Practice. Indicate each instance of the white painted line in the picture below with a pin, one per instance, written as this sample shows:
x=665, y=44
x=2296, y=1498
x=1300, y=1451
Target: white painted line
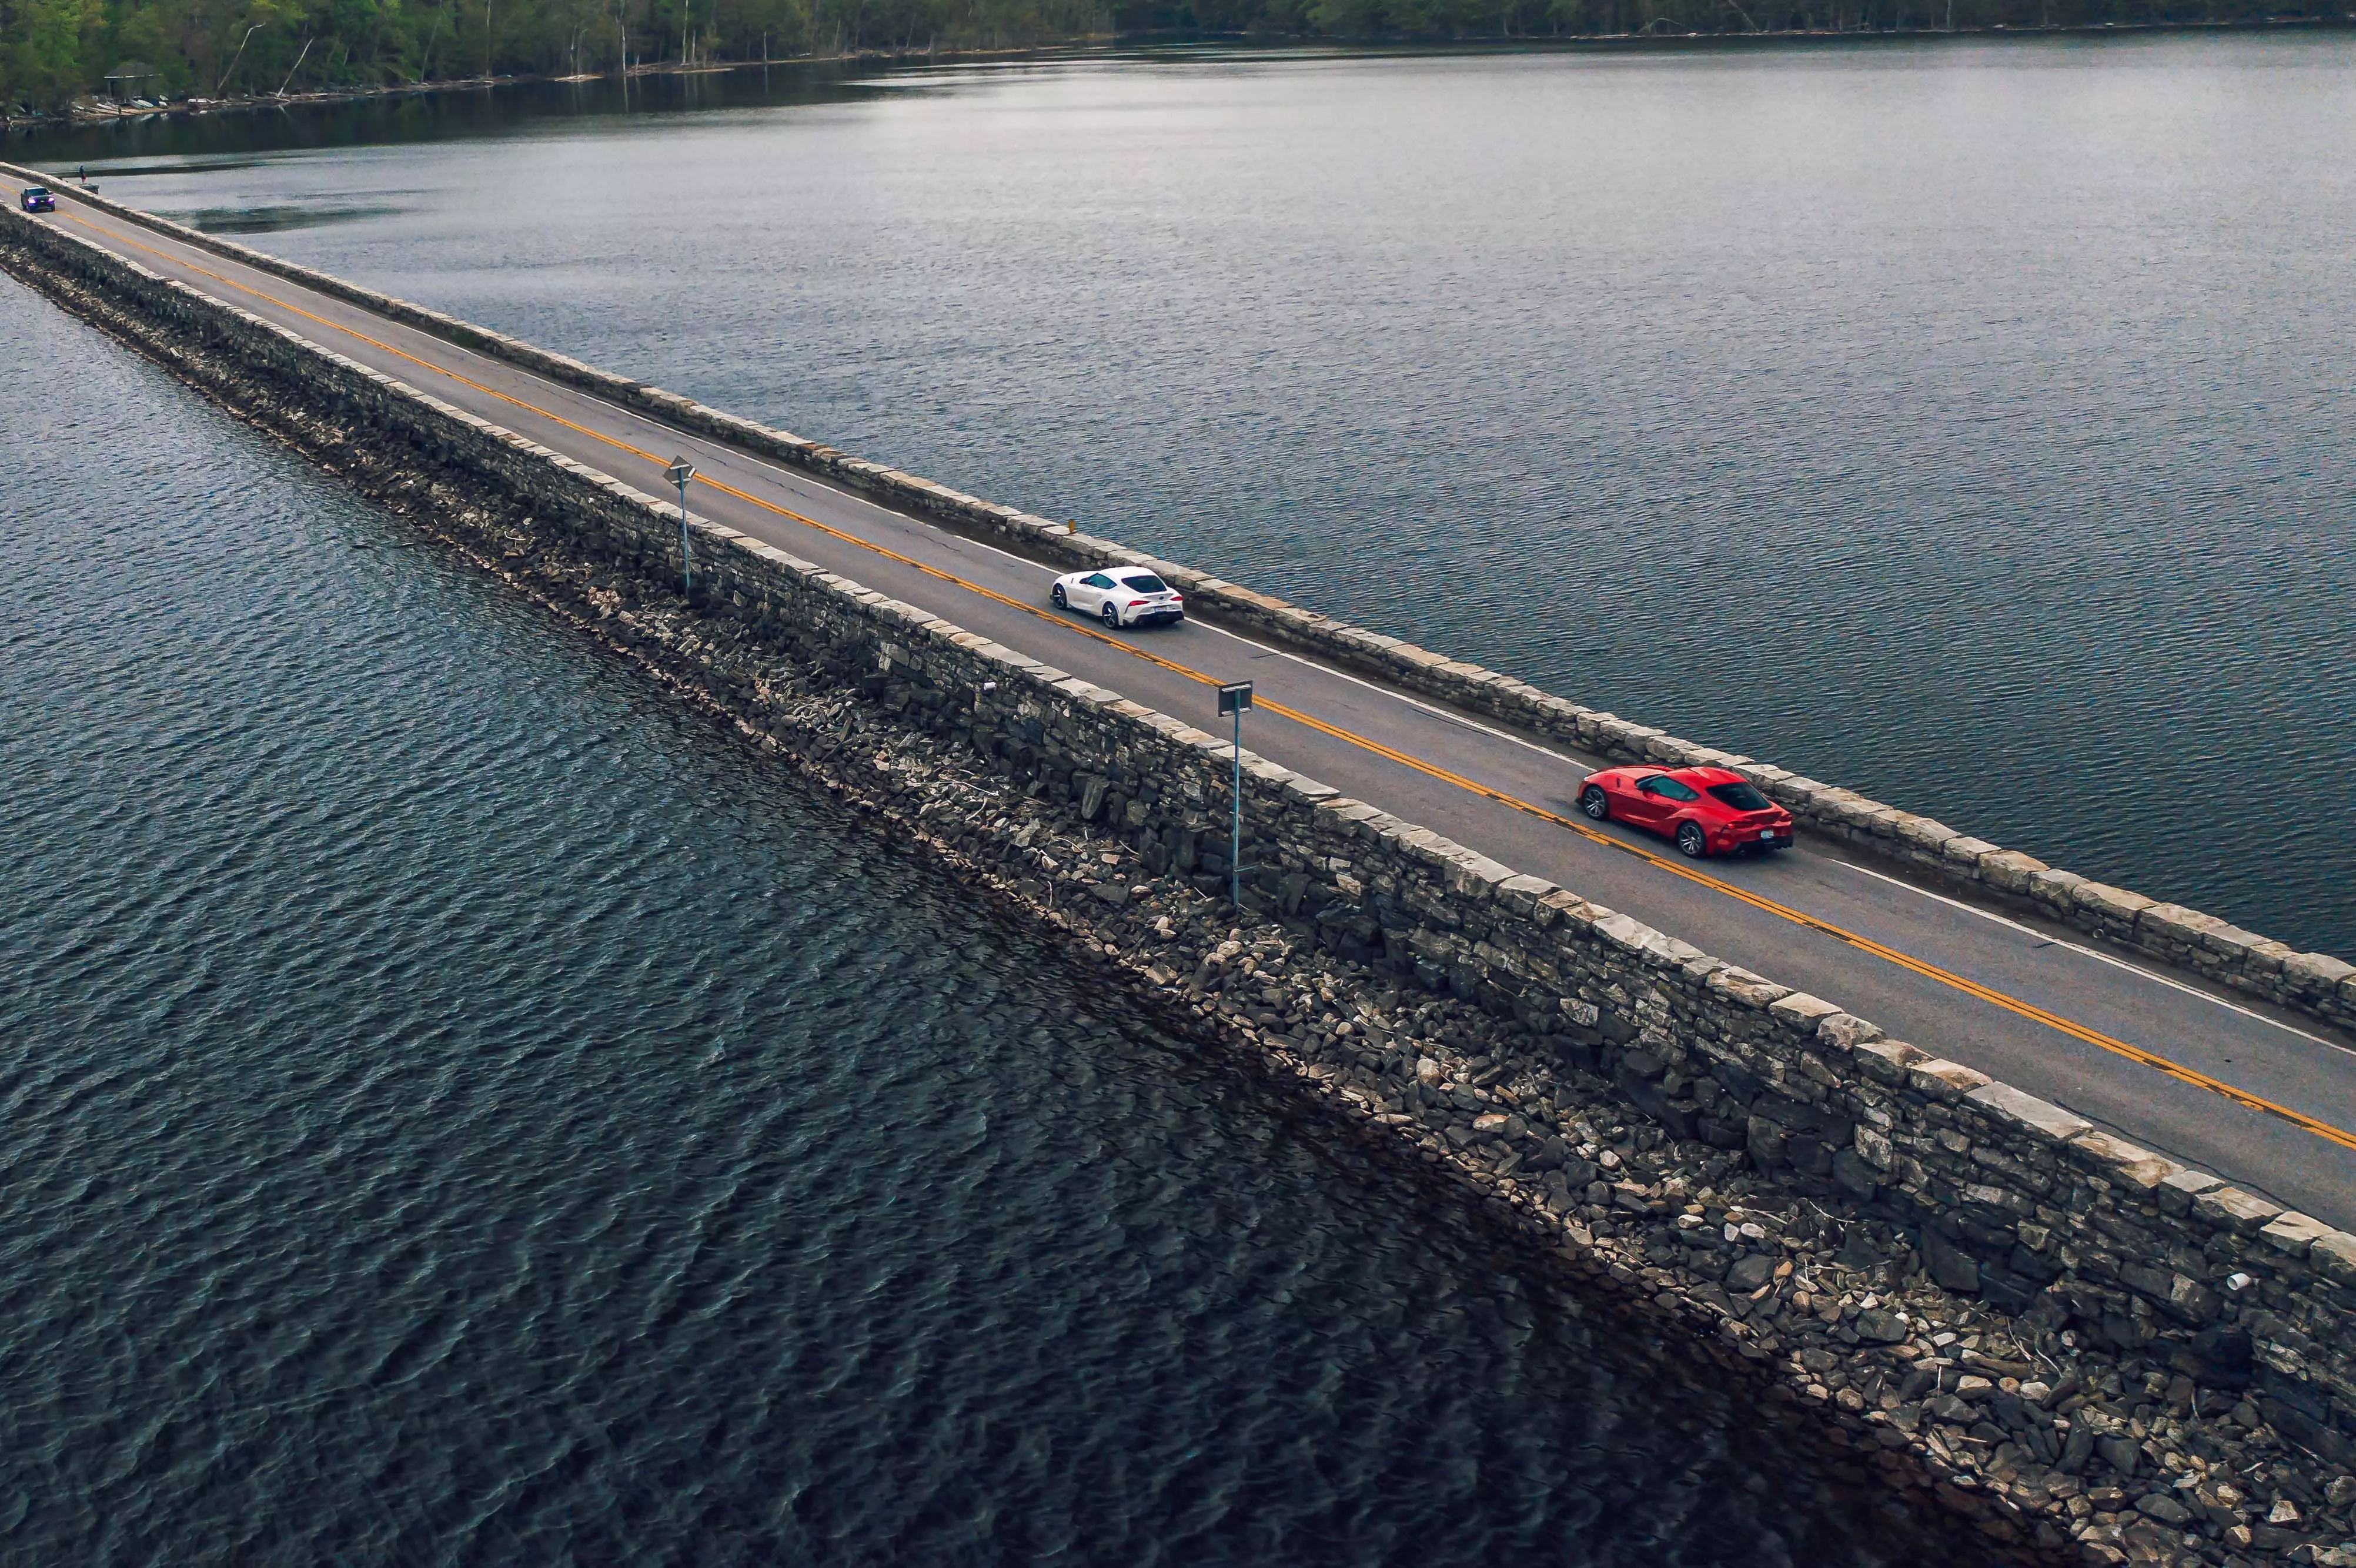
x=2098, y=957
x=1402, y=698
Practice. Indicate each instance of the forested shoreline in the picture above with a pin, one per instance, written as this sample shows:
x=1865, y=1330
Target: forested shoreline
x=55, y=51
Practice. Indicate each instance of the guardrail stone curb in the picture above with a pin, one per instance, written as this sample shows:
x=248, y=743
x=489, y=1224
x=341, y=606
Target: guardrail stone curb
x=2029, y=1114
x=1942, y=1080
x=2230, y=1207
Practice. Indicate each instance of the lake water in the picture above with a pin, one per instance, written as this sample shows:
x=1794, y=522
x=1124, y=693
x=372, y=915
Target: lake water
x=457, y=1108
x=1963, y=421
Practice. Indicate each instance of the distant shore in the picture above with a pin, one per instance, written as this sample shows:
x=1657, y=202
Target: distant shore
x=88, y=113
x=97, y=113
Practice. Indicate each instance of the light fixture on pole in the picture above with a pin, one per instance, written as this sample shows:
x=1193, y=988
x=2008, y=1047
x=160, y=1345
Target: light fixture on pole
x=679, y=472
x=1234, y=698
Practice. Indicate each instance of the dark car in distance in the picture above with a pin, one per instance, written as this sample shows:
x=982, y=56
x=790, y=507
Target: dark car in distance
x=37, y=198
x=1708, y=811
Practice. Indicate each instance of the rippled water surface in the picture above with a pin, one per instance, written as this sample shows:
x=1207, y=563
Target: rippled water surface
x=1963, y=421
x=455, y=1109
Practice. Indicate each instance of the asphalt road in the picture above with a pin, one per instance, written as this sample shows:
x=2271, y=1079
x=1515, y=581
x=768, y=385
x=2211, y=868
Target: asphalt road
x=1413, y=759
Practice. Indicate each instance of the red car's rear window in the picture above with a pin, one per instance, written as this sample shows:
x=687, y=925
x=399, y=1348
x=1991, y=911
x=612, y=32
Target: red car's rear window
x=1740, y=796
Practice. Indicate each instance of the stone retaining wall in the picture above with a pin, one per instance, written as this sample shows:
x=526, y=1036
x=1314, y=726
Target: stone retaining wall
x=2317, y=984
x=2003, y=1197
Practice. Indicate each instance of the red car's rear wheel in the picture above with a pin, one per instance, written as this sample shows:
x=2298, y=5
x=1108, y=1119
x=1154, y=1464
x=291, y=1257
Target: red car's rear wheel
x=1692, y=842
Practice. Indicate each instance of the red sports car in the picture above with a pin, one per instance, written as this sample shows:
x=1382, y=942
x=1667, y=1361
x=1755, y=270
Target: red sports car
x=1708, y=811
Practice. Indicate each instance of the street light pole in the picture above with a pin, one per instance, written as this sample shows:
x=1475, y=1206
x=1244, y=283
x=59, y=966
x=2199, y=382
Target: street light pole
x=679, y=472
x=1234, y=698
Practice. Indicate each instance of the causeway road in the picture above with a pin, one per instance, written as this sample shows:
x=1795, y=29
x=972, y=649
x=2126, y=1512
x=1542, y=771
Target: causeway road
x=2036, y=1008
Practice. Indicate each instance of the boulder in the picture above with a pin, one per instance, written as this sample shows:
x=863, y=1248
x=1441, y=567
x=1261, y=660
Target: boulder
x=1951, y=1267
x=1878, y=1327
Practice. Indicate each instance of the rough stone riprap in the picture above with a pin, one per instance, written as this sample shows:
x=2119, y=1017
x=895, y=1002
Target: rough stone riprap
x=2317, y=983
x=2070, y=1341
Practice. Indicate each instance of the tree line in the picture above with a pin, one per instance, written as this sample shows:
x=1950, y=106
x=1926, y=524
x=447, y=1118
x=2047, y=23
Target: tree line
x=1473, y=20
x=52, y=51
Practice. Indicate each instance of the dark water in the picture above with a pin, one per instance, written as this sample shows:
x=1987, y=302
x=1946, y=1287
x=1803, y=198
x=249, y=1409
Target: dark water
x=457, y=1109
x=1963, y=421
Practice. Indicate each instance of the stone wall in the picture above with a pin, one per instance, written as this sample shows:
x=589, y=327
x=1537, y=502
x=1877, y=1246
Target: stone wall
x=2001, y=1197
x=2317, y=984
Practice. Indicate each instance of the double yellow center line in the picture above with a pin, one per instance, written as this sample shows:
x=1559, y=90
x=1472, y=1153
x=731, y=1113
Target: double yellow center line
x=1969, y=988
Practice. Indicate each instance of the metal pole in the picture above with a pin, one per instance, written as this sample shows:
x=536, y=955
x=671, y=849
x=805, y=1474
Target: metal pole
x=1236, y=696
x=678, y=473
x=1236, y=831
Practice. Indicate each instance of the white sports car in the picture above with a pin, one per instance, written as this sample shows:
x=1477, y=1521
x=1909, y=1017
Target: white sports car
x=1120, y=596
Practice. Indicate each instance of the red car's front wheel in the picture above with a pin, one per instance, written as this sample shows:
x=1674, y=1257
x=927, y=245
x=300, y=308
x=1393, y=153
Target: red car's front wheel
x=1592, y=801
x=1692, y=842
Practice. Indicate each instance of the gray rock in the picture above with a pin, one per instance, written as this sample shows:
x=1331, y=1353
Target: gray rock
x=1704, y=1265
x=2226, y=1355
x=1950, y=1266
x=1290, y=891
x=2119, y=1452
x=1858, y=1251
x=2187, y=1300
x=1853, y=1173
x=1748, y=1273
x=1112, y=893
x=2076, y=1450
x=2165, y=1509
x=1876, y=1327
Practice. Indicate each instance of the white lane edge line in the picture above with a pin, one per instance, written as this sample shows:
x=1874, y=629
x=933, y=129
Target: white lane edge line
x=2085, y=952
x=2078, y=948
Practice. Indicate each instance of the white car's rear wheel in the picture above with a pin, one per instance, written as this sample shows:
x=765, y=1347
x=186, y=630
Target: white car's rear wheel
x=1111, y=614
